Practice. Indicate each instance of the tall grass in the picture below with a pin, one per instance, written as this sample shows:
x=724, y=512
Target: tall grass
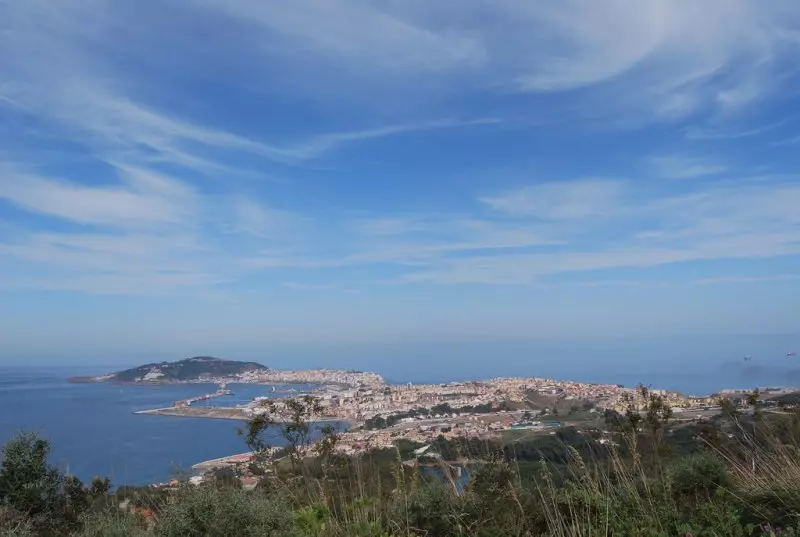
x=748, y=485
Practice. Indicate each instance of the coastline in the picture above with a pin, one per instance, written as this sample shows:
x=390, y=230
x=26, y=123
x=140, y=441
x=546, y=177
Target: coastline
x=224, y=413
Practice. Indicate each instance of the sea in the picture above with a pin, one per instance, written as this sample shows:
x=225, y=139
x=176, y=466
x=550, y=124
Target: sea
x=94, y=432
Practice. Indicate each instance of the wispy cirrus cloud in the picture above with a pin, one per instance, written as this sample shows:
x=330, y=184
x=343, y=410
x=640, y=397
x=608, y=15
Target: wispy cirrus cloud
x=145, y=233
x=666, y=60
x=635, y=228
x=707, y=133
x=320, y=144
x=560, y=200
x=144, y=198
x=684, y=167
x=641, y=230
x=735, y=280
x=164, y=136
x=55, y=72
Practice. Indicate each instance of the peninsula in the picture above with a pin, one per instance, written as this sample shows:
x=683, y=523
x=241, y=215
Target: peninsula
x=207, y=369
x=197, y=369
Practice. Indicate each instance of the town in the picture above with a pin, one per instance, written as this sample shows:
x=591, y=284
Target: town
x=380, y=415
x=371, y=414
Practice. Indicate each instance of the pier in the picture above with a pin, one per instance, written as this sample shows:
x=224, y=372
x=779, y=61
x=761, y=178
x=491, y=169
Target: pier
x=185, y=403
x=184, y=408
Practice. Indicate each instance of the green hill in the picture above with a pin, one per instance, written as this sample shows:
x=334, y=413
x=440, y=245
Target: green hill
x=196, y=368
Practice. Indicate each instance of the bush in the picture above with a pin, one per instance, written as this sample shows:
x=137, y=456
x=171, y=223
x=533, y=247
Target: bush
x=700, y=474
x=13, y=523
x=213, y=512
x=113, y=523
x=429, y=509
x=38, y=494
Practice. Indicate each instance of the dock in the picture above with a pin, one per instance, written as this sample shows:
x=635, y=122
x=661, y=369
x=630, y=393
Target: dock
x=184, y=408
x=188, y=402
x=227, y=413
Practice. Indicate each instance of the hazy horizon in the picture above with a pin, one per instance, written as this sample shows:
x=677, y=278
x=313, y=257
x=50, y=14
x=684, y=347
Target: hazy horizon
x=695, y=364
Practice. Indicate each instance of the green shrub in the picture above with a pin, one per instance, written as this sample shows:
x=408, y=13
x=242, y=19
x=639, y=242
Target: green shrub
x=211, y=512
x=700, y=474
x=429, y=509
x=113, y=523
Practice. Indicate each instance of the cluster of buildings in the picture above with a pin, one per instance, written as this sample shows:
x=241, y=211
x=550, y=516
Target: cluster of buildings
x=422, y=412
x=427, y=430
x=314, y=376
x=474, y=409
x=676, y=401
x=361, y=404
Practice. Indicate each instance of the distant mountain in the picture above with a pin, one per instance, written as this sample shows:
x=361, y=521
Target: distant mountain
x=190, y=369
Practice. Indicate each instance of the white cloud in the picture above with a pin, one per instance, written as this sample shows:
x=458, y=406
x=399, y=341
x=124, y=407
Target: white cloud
x=659, y=59
x=146, y=200
x=581, y=47
x=560, y=200
x=736, y=280
x=750, y=221
x=255, y=219
x=684, y=167
x=662, y=58
x=140, y=284
x=350, y=32
x=526, y=269
x=325, y=142
x=145, y=233
x=91, y=78
x=628, y=227
x=695, y=133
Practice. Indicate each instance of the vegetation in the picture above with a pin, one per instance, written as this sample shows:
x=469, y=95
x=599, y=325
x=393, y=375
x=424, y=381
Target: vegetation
x=736, y=475
x=381, y=422
x=182, y=370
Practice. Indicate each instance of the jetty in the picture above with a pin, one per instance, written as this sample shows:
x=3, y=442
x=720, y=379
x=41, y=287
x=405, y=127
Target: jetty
x=184, y=408
x=190, y=401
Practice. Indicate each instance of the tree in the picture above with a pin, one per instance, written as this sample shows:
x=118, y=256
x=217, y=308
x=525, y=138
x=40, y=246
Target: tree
x=27, y=482
x=658, y=413
x=293, y=420
x=39, y=491
x=754, y=402
x=728, y=408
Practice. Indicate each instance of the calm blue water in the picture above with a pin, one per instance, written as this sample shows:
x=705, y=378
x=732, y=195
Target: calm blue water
x=94, y=431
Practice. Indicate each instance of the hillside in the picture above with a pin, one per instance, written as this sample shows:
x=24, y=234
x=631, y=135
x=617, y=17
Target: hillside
x=735, y=475
x=190, y=369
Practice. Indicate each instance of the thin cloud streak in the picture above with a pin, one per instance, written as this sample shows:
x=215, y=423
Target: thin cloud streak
x=143, y=201
x=684, y=167
x=559, y=200
x=720, y=134
x=163, y=205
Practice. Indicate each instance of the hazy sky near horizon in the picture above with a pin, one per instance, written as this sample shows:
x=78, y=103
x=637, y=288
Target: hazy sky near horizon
x=240, y=173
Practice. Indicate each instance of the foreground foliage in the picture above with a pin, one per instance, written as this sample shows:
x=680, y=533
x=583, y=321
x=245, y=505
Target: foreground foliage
x=738, y=475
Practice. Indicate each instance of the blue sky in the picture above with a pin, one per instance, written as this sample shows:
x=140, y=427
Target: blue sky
x=207, y=175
